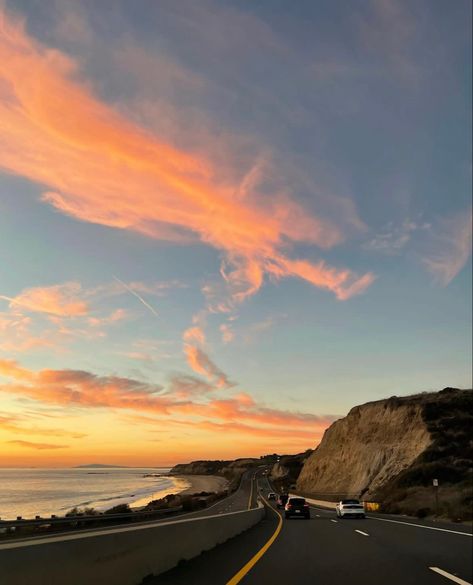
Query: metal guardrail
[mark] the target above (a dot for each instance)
(78, 518)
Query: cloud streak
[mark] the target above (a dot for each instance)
(142, 183)
(31, 445)
(61, 300)
(188, 397)
(450, 247)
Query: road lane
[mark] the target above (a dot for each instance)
(326, 551)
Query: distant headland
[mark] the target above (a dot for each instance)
(100, 466)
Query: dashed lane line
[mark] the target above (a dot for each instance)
(422, 526)
(453, 578)
(335, 521)
(361, 532)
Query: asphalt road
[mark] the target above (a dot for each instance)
(324, 550)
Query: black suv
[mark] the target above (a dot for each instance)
(297, 507)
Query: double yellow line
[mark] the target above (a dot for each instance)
(252, 562)
(251, 492)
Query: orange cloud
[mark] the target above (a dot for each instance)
(101, 168)
(186, 397)
(31, 445)
(9, 423)
(200, 362)
(61, 300)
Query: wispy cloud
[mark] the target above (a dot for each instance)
(394, 238)
(185, 396)
(13, 424)
(143, 183)
(449, 246)
(61, 300)
(31, 445)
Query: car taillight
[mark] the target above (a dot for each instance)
(288, 506)
(306, 505)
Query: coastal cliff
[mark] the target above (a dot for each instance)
(391, 450)
(286, 470)
(219, 467)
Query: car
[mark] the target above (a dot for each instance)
(297, 507)
(350, 509)
(272, 496)
(282, 500)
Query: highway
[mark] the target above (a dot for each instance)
(382, 549)
(244, 498)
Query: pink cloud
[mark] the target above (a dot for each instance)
(186, 396)
(63, 300)
(140, 181)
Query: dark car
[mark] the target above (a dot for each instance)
(297, 507)
(282, 500)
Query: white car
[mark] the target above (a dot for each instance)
(350, 508)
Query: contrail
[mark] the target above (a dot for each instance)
(134, 293)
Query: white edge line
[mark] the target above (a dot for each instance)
(39, 541)
(421, 526)
(361, 532)
(449, 576)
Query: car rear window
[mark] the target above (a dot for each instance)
(297, 501)
(351, 502)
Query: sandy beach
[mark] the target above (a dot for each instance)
(203, 483)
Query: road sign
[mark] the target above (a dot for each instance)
(435, 482)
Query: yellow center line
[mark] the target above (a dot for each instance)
(251, 492)
(252, 562)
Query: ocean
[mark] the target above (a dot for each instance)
(31, 492)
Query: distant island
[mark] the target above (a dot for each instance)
(100, 466)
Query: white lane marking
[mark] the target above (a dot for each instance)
(361, 532)
(421, 526)
(317, 515)
(334, 521)
(449, 576)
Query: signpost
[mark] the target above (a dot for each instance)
(435, 483)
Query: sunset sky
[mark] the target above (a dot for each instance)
(223, 224)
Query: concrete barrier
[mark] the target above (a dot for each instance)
(121, 555)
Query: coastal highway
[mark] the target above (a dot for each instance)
(244, 498)
(382, 549)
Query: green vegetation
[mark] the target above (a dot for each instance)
(448, 415)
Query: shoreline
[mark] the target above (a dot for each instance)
(202, 483)
(179, 484)
(187, 485)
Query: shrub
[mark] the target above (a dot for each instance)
(120, 509)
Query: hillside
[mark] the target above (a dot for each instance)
(391, 450)
(285, 472)
(232, 470)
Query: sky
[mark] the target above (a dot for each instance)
(223, 224)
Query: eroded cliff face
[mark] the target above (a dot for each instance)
(365, 450)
